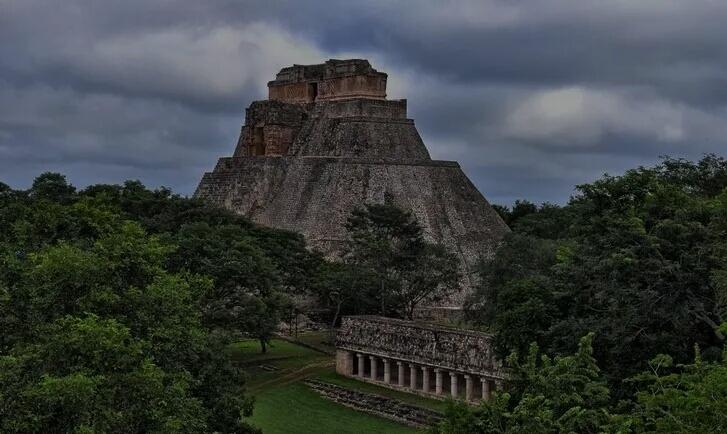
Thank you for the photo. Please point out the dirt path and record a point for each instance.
(291, 377)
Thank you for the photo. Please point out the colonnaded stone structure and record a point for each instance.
(424, 359)
(327, 140)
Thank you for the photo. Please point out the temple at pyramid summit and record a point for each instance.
(326, 141)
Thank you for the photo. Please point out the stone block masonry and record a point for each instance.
(459, 363)
(335, 79)
(327, 141)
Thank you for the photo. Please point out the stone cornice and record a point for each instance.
(456, 350)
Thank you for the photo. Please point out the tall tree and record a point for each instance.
(430, 276)
(390, 242)
(550, 396)
(345, 289)
(105, 302)
(246, 297)
(639, 259)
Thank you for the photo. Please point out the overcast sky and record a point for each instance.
(531, 97)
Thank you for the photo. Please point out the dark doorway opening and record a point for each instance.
(313, 91)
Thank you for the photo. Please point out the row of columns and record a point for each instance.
(439, 373)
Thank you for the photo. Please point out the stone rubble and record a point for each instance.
(378, 405)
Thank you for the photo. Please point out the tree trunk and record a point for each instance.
(332, 336)
(263, 346)
(715, 327)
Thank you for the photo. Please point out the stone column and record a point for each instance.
(401, 373)
(344, 362)
(453, 384)
(361, 364)
(374, 367)
(387, 371)
(485, 388)
(438, 382)
(412, 376)
(425, 379)
(468, 387)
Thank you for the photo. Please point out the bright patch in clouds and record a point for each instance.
(197, 62)
(576, 116)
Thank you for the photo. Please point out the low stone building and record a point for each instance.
(420, 358)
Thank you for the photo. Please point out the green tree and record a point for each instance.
(345, 289)
(547, 395)
(384, 239)
(99, 334)
(246, 297)
(52, 186)
(430, 276)
(639, 259)
(684, 399)
(92, 375)
(390, 242)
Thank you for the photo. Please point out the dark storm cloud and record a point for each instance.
(531, 97)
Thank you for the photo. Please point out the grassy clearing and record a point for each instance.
(295, 408)
(292, 362)
(318, 339)
(283, 404)
(248, 351)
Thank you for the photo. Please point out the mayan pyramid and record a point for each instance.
(327, 140)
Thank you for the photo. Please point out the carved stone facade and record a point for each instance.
(335, 79)
(306, 159)
(420, 358)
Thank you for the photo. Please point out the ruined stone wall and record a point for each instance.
(361, 86)
(361, 107)
(275, 123)
(278, 139)
(361, 137)
(360, 128)
(351, 128)
(333, 80)
(452, 349)
(291, 93)
(315, 196)
(358, 86)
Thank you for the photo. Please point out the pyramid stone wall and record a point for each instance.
(305, 165)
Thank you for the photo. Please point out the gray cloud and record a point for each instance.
(531, 97)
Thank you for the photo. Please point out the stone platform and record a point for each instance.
(378, 405)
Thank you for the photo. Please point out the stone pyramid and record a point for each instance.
(326, 141)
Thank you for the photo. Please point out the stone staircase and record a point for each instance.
(378, 405)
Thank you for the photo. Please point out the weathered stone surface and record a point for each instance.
(335, 79)
(379, 405)
(451, 349)
(304, 165)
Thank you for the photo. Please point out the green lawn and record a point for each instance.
(283, 404)
(295, 408)
(318, 339)
(249, 351)
(292, 362)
